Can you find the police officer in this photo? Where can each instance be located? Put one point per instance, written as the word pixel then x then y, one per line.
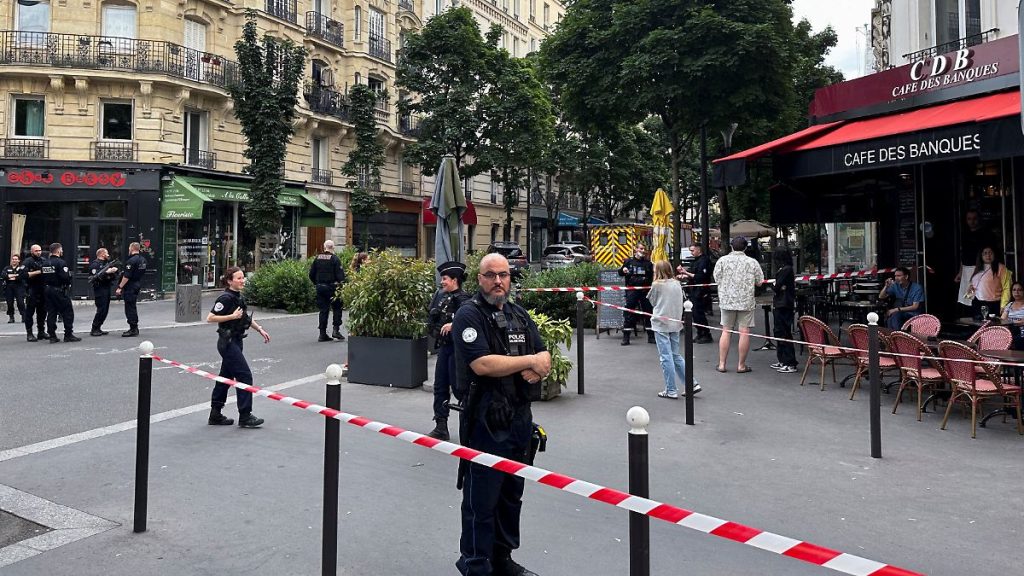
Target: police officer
pixel 699 273
pixel 327 274
pixel 229 313
pixel 101 276
pixel 35 301
pixel 498 356
pixel 14 287
pixel 131 283
pixel 57 279
pixel 638 271
pixel 443 307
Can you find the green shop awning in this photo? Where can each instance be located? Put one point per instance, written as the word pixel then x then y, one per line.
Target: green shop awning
pixel 181 201
pixel 316 213
pixel 183 197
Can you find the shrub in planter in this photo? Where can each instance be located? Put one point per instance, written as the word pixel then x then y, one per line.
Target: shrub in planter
pixel 560 305
pixel 554 333
pixel 282 285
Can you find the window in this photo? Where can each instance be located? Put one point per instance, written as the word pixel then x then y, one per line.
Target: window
pixel 376 84
pixel 377 28
pixel 116 121
pixel 504 5
pixel 533 8
pixel 119 20
pixel 515 236
pixel 533 44
pixel 515 47
pixel 318 6
pixel 195 35
pixel 358 78
pixel 31 16
pixel 547 15
pixel 29 117
pixel 494 233
pixel 358 27
pixel 467 185
pixel 494 190
pixel 517 8
pixel 196 137
pixel 438 6
pixel 320 152
pixel 323 77
pixel 955 19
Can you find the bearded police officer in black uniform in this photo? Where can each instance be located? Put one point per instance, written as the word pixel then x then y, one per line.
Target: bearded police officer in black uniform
pixel 698 274
pixel 57 279
pixel 638 271
pixel 35 301
pixel 14 287
pixel 101 277
pixel 499 357
pixel 443 307
pixel 229 313
pixel 129 287
pixel 327 274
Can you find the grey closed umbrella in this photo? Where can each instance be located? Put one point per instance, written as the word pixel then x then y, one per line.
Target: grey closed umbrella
pixel 449 204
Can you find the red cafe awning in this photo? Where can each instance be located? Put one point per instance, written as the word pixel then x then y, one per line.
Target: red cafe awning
pixel 781 144
pixel 430 219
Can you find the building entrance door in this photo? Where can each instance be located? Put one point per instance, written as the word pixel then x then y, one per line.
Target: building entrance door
pixel 90 237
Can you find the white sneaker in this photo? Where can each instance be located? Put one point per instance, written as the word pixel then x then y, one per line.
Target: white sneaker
pixel 777 365
pixel 696 389
pixel 787 370
pixel 667 394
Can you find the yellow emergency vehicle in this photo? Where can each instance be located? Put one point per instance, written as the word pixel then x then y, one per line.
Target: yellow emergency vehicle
pixel 613 244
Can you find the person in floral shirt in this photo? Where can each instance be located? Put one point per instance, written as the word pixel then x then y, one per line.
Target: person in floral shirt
pixel 737 275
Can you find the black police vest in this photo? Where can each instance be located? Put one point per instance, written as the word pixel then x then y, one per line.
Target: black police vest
pixel 508 337
pixel 324 269
pixel 53 272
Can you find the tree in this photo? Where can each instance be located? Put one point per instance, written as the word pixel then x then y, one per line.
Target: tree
pixel 366 158
pixel 264 103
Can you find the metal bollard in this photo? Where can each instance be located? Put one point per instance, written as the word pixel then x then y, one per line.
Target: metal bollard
pixel 639 485
pixel 332 452
pixel 768 344
pixel 688 357
pixel 580 334
pixel 142 436
pixel 874 374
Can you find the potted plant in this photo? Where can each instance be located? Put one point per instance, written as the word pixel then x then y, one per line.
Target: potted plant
pixel 554 333
pixel 387 319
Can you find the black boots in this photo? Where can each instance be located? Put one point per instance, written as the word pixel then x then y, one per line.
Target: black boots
pixel 131 331
pixel 69 337
pixel 323 337
pixel 11 321
pixel 440 430
pixel 625 338
pixel 53 339
pixel 247 420
pixel 218 419
pixel 509 567
pixel 337 335
pixel 98 332
pixel 31 337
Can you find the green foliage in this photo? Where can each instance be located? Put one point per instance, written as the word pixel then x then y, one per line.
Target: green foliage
pixel 470 285
pixel 346 255
pixel 282 285
pixel 555 333
pixel 389 297
pixel 264 103
pixel 366 158
pixel 559 305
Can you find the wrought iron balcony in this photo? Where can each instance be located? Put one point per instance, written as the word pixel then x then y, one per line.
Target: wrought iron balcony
pixel 406 5
pixel 382 112
pixel 407 188
pixel 322 176
pixel 25 148
pixel 325 28
pixel 200 158
pixel 364 181
pixel 380 48
pixel 952 46
pixel 115 150
pixel 284 9
pixel 111 53
pixel 409 125
pixel 328 102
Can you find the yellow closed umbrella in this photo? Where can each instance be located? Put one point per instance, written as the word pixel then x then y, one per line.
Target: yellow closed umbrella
pixel 660 209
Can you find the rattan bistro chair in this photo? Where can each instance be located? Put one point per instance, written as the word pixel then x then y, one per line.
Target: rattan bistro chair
pixel 959 362
pixel 822 347
pixel 909 351
pixel 859 339
pixel 923 324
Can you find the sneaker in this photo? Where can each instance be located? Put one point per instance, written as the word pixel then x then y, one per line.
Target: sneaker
pixel 249 421
pixel 787 370
pixel 776 365
pixel 669 395
pixel 508 567
pixel 337 335
pixel 71 338
pixel 696 389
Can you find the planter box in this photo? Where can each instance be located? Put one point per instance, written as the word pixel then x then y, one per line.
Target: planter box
pixel 550 390
pixel 387 361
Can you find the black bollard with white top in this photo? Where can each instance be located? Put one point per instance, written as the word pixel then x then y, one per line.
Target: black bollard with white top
pixel 332 452
pixel 142 436
pixel 639 485
pixel 875 376
pixel 580 310
pixel 688 357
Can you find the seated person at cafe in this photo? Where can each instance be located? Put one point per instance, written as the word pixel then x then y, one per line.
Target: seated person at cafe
pixel 990 284
pixel 1013 315
pixel 906 298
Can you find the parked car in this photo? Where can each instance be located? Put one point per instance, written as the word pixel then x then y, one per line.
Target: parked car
pixel 517 261
pixel 562 255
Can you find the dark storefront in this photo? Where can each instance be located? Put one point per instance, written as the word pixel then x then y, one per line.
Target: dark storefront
pixel 84 207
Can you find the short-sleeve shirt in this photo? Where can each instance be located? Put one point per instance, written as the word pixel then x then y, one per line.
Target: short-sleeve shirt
pixel 737 275
pixel 471 330
pixel 906 296
pixel 227 303
pixel 134 268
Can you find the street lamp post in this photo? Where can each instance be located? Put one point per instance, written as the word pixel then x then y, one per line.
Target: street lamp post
pixel 705 230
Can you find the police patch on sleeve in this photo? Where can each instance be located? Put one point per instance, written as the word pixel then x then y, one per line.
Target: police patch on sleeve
pixel 65 268
pixel 469 335
pixel 218 307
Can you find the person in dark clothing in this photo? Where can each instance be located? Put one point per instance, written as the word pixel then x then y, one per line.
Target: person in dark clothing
pixel 700 296
pixel 229 314
pixel 445 304
pixel 974 238
pixel 130 285
pixel 14 288
pixel 638 271
pixel 327 274
pixel 101 277
pixel 57 279
pixel 782 310
pixel 35 300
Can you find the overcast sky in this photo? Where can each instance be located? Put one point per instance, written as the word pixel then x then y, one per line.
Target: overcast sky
pixel 845 16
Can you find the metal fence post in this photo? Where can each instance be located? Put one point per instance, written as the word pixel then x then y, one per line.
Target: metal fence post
pixel 688 357
pixel 768 344
pixel 332 452
pixel 874 374
pixel 142 436
pixel 639 485
pixel 580 337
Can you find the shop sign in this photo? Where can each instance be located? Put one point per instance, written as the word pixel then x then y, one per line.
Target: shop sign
pixel 944 71
pixel 65 178
pixel 177 203
pixel 922 151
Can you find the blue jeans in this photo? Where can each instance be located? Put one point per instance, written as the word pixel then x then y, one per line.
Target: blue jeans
pixel 668 354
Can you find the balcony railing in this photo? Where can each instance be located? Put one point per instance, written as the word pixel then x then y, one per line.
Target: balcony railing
pixel 328 102
pixel 382 113
pixel 114 151
pixel 380 48
pixel 284 9
pixel 325 28
pixel 409 125
pixel 952 46
pixel 25 148
pixel 111 53
pixel 201 158
pixel 406 5
pixel 407 188
pixel 364 181
pixel 322 176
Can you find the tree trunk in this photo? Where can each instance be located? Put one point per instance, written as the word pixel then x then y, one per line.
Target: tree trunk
pixel 509 194
pixel 726 218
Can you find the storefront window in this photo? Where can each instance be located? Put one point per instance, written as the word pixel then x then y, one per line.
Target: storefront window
pixel 852 246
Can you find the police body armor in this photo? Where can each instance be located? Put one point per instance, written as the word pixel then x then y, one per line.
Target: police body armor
pixel 443 312
pixel 236 328
pixel 324 269
pixel 636 272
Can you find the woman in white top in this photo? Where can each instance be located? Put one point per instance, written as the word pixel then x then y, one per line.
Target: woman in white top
pixel 990 283
pixel 666 297
pixel 1013 315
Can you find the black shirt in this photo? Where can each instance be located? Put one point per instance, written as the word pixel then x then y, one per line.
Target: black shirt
pixel 135 268
pixel 11 276
pixel 326 269
pixel 785 288
pixel 637 272
pixel 104 280
pixel 55 272
pixel 443 308
pixel 226 304
pixel 32 264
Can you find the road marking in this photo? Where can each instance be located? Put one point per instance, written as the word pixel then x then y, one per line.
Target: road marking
pixel 45 445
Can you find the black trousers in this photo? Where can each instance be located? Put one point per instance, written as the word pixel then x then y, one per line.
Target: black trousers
pixel 15 293
pixel 326 303
pixel 784 351
pixel 234 366
pixel 636 300
pixel 131 300
pixel 58 304
pixel 102 299
pixel 444 373
pixel 701 306
pixel 35 304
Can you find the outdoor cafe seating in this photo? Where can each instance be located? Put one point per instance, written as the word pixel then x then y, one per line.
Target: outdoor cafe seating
pixel 822 347
pixel 969 387
pixel 910 351
pixel 859 339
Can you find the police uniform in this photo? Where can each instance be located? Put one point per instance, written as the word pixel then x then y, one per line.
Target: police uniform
pixel 14 290
pixel 233 364
pixel 57 280
pixel 327 273
pixel 35 298
pixel 134 270
pixel 637 272
pixel 700 296
pixel 443 307
pixel 101 294
pixel 497 419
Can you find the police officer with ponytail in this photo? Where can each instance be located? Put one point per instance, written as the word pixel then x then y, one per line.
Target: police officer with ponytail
pixel 443 307
pixel 500 363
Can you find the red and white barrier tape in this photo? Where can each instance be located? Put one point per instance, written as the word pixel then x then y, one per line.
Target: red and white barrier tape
pixel 843 275
pixel 800 550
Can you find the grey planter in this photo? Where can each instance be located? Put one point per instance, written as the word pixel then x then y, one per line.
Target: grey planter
pixel 397 362
pixel 550 389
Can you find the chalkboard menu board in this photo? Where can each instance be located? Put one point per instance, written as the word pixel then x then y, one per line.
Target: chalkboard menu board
pixel 608 318
pixel 906 237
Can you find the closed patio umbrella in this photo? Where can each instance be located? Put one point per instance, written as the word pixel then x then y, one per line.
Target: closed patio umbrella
pixel 449 204
pixel 750 229
pixel 661 207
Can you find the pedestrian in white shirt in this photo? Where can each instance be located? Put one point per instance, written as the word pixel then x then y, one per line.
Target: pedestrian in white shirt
pixel 737 275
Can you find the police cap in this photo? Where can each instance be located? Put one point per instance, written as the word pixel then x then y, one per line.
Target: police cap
pixel 452 269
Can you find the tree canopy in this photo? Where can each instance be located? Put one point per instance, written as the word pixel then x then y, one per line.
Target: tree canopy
pixel 366 158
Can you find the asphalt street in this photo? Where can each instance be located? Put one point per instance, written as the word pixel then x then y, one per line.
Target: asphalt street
pixel 764 452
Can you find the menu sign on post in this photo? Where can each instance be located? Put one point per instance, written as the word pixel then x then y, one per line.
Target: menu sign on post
pixel 608 317
pixel 906 245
